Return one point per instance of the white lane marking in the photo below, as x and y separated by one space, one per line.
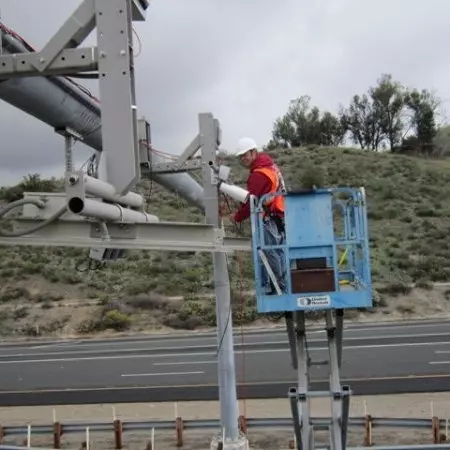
192 347
439 362
180 363
160 374
349 328
128 350
180 355
56 344
442 351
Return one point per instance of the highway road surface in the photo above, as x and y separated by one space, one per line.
377 359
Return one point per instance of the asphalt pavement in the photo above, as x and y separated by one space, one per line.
377 359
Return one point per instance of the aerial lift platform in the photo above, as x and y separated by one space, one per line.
325 250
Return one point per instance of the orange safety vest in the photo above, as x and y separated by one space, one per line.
273 204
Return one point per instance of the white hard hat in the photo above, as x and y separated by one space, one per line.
245 144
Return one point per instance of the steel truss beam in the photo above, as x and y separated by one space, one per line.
168 236
170 167
73 230
59 56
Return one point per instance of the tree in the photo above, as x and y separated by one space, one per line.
31 183
423 107
387 115
388 100
331 130
292 127
302 125
441 142
363 122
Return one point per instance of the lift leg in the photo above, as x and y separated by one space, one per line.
292 338
301 395
335 384
303 361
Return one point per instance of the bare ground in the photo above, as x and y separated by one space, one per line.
405 406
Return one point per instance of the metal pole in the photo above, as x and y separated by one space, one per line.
339 333
229 411
293 397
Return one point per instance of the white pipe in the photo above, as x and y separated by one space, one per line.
235 192
105 211
106 191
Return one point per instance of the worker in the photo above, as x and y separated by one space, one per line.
264 177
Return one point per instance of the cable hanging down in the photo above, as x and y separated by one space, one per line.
38 203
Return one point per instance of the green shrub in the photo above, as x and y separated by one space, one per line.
116 320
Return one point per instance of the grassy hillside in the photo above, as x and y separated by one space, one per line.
408 200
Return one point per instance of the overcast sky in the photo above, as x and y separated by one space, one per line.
243 60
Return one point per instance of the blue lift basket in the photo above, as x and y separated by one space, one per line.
325 252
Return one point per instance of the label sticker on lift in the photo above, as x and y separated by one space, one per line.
319 300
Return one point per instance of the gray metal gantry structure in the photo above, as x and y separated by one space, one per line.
100 210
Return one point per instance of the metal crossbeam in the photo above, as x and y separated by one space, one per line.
167 236
190 150
60 55
68 61
170 167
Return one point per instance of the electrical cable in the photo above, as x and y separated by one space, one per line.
219 346
40 204
139 42
230 309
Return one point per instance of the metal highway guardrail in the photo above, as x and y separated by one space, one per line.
119 427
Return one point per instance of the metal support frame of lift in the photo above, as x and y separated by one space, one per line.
300 396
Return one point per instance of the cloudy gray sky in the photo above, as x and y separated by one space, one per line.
243 60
